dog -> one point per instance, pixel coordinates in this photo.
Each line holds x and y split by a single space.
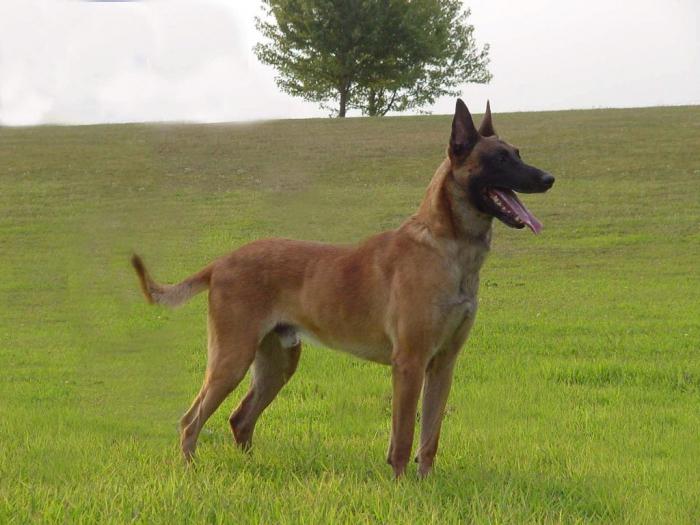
405 298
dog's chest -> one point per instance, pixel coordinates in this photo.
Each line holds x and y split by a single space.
456 308
458 303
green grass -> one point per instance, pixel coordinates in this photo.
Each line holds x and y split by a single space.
576 399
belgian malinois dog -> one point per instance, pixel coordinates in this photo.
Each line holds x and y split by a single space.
405 298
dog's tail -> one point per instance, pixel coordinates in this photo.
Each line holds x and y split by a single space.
172 295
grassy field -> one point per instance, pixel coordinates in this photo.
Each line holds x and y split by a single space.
576 399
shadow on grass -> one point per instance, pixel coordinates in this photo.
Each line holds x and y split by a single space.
461 489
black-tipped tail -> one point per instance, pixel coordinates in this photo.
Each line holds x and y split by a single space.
166 294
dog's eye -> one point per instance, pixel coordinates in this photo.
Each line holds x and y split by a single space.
503 157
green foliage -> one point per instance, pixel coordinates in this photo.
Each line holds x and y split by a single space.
373 55
575 399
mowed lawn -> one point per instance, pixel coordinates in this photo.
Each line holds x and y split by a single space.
576 398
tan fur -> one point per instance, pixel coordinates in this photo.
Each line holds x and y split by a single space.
406 298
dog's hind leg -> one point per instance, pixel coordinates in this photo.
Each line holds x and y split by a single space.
187 417
231 352
274 364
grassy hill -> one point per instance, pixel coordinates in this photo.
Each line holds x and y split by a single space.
576 398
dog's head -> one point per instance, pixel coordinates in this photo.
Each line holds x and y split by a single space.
491 170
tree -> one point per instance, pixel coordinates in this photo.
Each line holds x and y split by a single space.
373 55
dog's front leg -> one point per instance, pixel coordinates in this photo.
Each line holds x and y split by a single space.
438 380
408 372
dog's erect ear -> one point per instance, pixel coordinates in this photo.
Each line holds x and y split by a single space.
464 135
486 128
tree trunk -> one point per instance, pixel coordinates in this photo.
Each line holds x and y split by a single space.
389 105
343 103
372 103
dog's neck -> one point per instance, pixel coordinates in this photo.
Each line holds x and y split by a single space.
448 214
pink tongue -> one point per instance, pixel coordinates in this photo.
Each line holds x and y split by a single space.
511 201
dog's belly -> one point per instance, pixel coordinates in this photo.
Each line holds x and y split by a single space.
364 348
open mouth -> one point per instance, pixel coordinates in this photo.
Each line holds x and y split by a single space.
511 210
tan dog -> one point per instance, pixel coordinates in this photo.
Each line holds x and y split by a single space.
405 298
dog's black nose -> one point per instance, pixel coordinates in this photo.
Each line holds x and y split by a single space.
547 180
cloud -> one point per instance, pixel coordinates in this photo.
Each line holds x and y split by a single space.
90 62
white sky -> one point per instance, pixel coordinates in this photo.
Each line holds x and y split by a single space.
76 62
